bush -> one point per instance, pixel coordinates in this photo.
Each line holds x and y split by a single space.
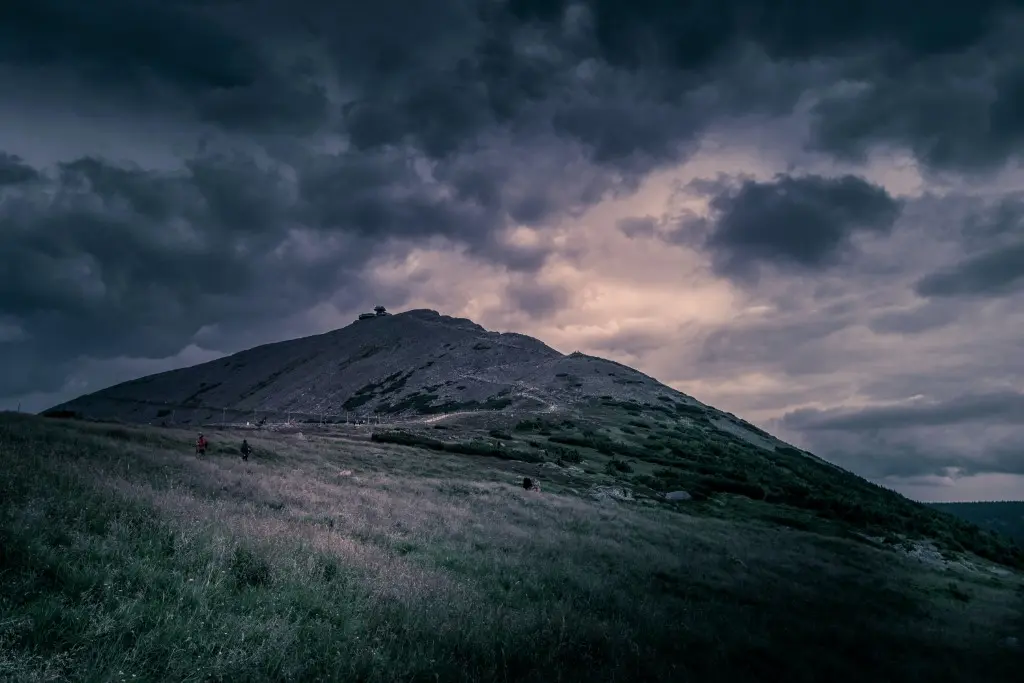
530 425
63 414
565 455
615 465
475 447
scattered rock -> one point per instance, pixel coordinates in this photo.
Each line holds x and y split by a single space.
605 493
678 495
345 473
300 436
531 484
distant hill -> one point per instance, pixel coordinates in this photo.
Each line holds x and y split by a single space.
512 396
1005 517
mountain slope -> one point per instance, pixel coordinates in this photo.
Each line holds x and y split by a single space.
1005 517
447 384
332 557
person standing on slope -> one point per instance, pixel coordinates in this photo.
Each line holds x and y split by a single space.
246 449
201 444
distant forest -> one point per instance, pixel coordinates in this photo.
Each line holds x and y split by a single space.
1006 517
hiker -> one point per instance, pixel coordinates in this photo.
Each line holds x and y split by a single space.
201 444
246 449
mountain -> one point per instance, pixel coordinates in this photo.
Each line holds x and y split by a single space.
397 366
1005 517
447 384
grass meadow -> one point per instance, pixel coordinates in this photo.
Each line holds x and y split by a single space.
123 557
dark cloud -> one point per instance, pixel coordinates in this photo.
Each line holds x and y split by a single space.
913 321
14 171
938 451
638 226
632 82
115 40
897 100
964 435
692 34
988 407
946 86
804 222
993 273
103 261
910 454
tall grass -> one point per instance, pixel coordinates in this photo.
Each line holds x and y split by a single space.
124 557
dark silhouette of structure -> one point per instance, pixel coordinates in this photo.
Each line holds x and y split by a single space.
378 312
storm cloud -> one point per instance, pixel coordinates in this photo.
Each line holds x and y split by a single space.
804 222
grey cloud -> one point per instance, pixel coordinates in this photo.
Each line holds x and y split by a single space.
916 453
14 171
913 321
922 103
634 342
794 345
689 35
103 261
637 227
536 299
804 222
993 273
906 68
118 39
634 84
989 407
963 435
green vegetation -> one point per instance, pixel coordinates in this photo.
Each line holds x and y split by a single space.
124 557
564 456
792 485
476 447
1005 517
615 465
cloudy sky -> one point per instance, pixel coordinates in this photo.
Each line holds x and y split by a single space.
808 213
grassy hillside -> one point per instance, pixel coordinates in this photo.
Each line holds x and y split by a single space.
1005 517
330 556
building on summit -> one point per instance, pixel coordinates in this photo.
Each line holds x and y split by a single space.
378 312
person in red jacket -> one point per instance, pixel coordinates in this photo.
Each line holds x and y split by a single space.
201 445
